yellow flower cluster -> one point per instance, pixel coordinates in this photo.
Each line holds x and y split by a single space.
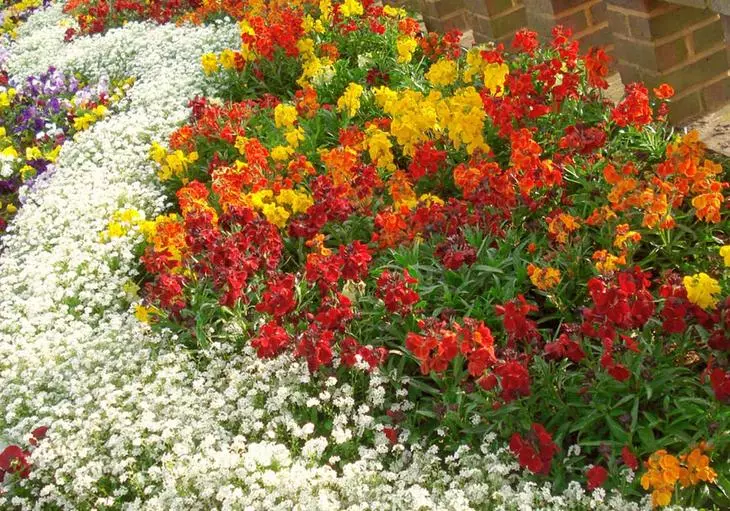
350 8
543 278
442 73
494 77
6 97
701 290
172 164
285 115
413 115
226 59
83 122
278 208
350 99
405 45
10 19
665 470
121 223
725 254
462 115
394 12
379 148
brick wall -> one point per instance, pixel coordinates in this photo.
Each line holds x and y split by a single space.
496 20
587 18
443 15
657 41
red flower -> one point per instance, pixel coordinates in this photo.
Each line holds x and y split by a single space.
597 61
14 460
525 41
270 341
279 298
391 434
514 318
720 381
37 434
597 475
564 347
629 458
316 346
393 289
634 109
514 379
435 349
456 252
535 452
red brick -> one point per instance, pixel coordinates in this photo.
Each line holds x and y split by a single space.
697 4
666 23
495 7
618 23
708 36
650 57
698 72
638 5
686 108
599 13
553 6
599 38
447 8
716 95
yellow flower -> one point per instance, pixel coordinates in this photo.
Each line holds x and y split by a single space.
379 148
325 10
157 152
228 59
27 172
405 45
9 152
350 99
10 208
33 153
725 253
701 290
210 63
430 199
142 313
443 73
294 137
394 12
275 214
241 144
285 115
351 8
84 121
281 153
494 78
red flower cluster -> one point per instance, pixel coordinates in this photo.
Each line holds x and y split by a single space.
394 291
634 109
14 459
536 451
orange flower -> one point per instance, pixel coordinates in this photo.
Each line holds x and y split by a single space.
664 91
543 278
561 225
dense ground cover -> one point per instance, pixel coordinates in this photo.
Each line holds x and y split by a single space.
322 260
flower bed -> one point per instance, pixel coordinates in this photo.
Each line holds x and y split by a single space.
317 260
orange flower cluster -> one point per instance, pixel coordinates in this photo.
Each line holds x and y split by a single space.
664 471
684 173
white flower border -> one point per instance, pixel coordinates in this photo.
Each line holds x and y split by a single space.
130 414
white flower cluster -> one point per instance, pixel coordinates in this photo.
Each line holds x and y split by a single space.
135 423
